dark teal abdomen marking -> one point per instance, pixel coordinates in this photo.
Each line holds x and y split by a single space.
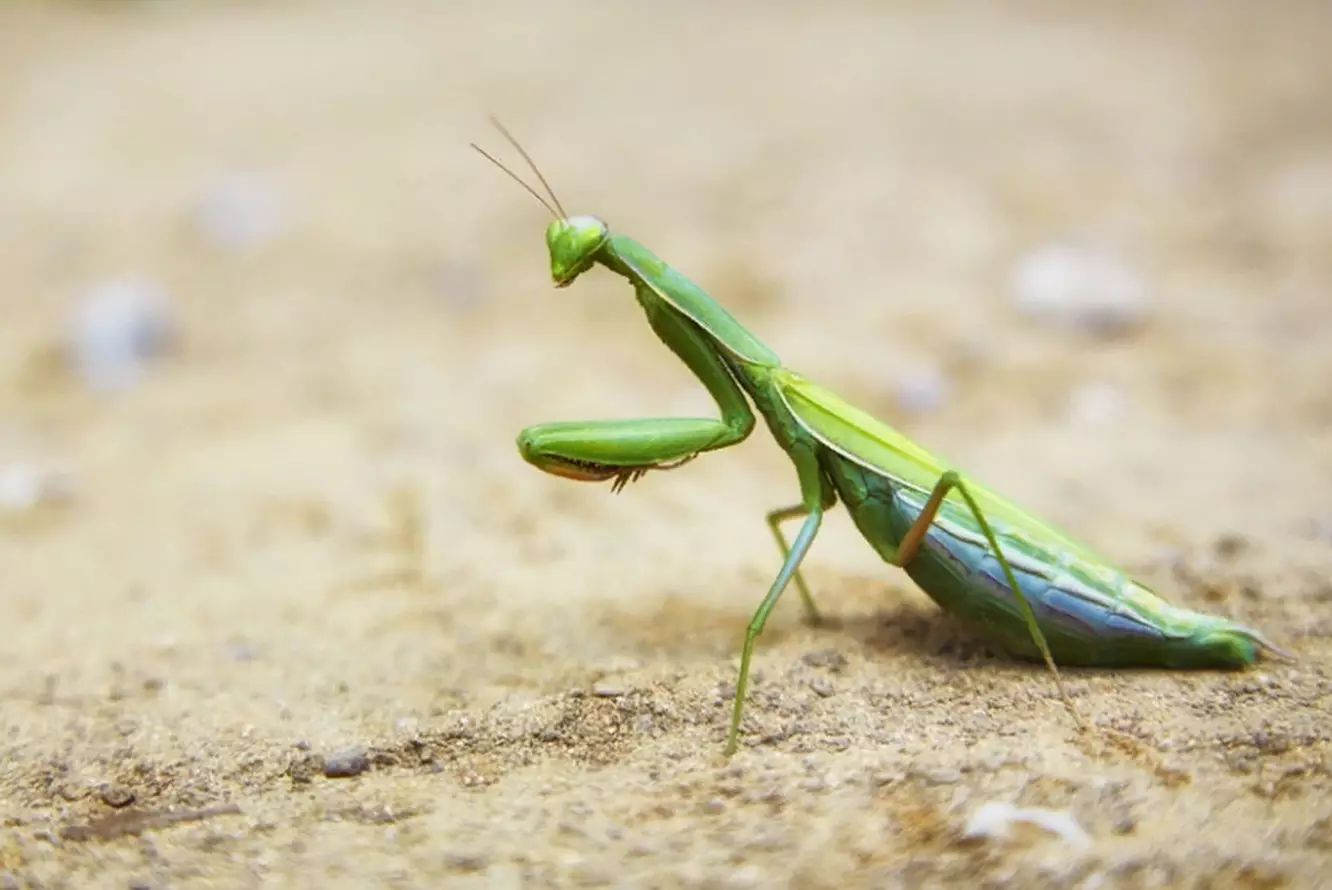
967 581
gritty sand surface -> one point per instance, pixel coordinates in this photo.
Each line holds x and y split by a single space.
305 541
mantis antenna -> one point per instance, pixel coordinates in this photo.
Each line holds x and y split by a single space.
516 178
530 163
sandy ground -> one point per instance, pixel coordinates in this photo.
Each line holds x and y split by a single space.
303 543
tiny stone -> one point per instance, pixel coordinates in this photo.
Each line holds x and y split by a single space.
71 792
466 862
1096 404
116 797
1079 288
243 652
346 764
714 806
995 821
607 690
826 658
241 211
923 390
822 687
743 878
943 776
118 327
24 487
1229 546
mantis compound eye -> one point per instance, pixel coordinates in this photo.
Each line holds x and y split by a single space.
573 245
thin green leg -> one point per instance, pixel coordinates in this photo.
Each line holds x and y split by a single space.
911 543
815 500
806 537
775 520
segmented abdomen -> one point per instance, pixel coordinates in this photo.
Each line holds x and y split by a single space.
1090 613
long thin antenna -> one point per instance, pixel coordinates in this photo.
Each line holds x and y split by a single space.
531 191
514 142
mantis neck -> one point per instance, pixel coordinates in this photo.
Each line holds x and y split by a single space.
644 269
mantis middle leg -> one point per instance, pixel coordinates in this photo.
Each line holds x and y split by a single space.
814 497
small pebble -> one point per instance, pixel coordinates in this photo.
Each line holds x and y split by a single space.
1230 545
118 327
822 687
1079 288
116 797
995 821
241 211
23 487
345 764
466 862
1096 404
243 652
608 690
923 390
746 877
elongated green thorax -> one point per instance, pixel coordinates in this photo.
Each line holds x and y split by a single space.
645 269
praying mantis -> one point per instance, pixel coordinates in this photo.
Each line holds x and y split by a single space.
1023 585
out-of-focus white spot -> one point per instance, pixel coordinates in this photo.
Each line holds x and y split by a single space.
923 390
116 329
1096 404
1080 288
23 487
241 211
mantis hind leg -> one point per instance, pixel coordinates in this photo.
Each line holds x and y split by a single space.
916 534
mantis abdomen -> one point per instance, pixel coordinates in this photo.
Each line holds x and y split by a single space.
1090 616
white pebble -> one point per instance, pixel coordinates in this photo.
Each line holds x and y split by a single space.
1080 288
24 487
117 328
241 211
923 390
995 821
1096 404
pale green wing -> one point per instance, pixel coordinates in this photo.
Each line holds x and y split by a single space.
865 440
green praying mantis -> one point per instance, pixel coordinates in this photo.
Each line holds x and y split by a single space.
1023 585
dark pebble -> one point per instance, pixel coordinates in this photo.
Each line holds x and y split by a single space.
346 764
117 797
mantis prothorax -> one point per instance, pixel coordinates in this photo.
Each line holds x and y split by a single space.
1025 586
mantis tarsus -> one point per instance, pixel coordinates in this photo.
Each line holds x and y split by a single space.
1025 586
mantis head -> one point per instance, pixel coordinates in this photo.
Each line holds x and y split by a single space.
573 244
573 241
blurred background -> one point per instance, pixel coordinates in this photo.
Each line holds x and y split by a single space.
269 328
